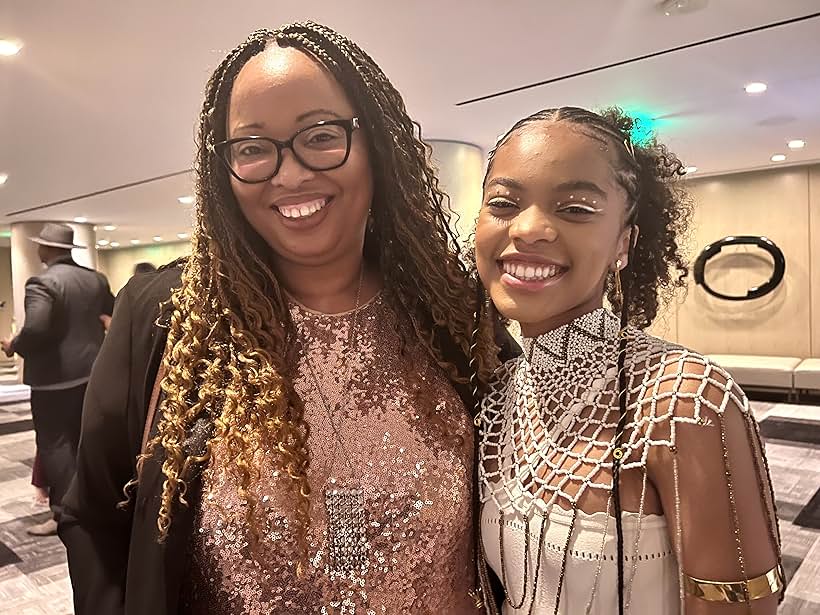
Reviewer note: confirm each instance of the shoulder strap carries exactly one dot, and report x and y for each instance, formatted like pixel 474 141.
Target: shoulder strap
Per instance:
pixel 154 402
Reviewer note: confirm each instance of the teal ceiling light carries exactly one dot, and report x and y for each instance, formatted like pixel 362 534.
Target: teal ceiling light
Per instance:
pixel 645 127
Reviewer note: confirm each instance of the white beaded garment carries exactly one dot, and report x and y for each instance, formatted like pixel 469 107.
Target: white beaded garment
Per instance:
pixel 546 460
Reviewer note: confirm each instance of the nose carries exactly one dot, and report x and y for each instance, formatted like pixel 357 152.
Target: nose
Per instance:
pixel 533 225
pixel 292 173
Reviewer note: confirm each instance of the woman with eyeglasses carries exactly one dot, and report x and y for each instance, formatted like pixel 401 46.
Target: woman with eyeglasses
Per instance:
pixel 620 473
pixel 312 447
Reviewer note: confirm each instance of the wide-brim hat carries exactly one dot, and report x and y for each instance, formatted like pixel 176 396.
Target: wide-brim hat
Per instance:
pixel 56 236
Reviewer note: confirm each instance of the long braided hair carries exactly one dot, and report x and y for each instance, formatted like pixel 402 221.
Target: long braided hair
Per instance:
pixel 660 210
pixel 229 352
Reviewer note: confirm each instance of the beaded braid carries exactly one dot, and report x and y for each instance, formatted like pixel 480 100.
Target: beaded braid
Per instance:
pixel 623 394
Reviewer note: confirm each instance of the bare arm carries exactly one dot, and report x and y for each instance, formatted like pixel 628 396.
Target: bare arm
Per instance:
pixel 727 527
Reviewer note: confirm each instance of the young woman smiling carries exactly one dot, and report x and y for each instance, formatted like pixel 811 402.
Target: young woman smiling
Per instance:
pixel 619 472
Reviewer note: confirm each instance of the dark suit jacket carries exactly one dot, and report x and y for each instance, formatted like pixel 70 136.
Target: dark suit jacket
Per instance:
pixel 116 564
pixel 62 332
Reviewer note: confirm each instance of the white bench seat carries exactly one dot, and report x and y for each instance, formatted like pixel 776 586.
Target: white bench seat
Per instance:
pixel 10 393
pixel 760 371
pixel 807 375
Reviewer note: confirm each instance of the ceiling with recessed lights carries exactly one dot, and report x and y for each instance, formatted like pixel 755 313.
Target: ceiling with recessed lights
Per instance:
pixel 99 106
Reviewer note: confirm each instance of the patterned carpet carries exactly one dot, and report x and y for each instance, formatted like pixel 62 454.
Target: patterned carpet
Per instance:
pixel 34 576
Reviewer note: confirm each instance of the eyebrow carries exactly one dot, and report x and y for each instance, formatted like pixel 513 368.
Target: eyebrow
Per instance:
pixel 582 185
pixel 300 118
pixel 309 114
pixel 254 125
pixel 507 182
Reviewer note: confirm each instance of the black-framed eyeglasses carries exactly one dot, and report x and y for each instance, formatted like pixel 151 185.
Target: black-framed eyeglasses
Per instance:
pixel 320 147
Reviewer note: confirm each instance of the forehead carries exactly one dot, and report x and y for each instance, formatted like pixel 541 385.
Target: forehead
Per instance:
pixel 551 153
pixel 277 85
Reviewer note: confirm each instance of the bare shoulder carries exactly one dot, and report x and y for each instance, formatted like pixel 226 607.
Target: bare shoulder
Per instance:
pixel 687 385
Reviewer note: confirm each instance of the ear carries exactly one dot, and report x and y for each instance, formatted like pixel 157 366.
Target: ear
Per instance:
pixel 622 253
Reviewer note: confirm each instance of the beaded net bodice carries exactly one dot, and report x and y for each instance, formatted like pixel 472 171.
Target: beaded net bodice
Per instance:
pixel 549 419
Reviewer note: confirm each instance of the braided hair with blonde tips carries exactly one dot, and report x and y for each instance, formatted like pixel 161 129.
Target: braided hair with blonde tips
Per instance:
pixel 231 338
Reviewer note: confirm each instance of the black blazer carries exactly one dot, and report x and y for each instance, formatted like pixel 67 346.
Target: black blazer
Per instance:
pixel 116 564
pixel 62 333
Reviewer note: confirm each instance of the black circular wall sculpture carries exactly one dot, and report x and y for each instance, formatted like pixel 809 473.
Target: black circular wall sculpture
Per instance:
pixel 764 243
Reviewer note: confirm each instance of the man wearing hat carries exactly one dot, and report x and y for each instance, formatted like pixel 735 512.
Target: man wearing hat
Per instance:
pixel 59 341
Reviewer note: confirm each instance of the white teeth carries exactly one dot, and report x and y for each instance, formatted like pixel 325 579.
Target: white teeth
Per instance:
pixel 302 210
pixel 530 272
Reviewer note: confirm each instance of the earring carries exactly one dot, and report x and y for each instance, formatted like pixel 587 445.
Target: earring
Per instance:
pixel 370 222
pixel 619 295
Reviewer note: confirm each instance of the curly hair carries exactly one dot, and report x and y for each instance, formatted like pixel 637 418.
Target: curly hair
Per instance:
pixel 657 205
pixel 229 357
pixel 661 210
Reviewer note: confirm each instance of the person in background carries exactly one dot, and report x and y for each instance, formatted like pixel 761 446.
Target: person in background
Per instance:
pixel 59 341
pixel 38 481
pixel 144 268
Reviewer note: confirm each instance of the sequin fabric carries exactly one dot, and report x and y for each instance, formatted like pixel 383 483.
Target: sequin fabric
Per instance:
pixel 402 476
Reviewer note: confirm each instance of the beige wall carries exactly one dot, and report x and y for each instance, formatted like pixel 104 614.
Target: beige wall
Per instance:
pixel 6 293
pixel 814 256
pixel 460 169
pixel 779 204
pixel 118 265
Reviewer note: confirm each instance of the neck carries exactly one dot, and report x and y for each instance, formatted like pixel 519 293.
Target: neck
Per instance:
pixel 330 289
pixel 53 258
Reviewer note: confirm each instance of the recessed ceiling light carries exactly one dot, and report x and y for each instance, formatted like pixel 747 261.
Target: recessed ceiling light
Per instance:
pixel 80 220
pixel 797 144
pixel 756 87
pixel 114 244
pixel 182 235
pixel 186 200
pixel 4 177
pixel 157 238
pixel 110 227
pixel 9 47
pixel 102 242
pixel 135 242
pixel 690 170
pixel 681 7
pixel 778 158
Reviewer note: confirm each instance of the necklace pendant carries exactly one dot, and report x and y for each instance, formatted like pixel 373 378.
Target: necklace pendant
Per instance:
pixel 347 531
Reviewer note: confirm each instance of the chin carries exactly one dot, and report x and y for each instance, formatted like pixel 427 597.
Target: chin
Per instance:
pixel 515 309
pixel 529 310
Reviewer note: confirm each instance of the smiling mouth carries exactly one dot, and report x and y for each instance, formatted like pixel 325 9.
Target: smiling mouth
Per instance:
pixel 305 209
pixel 531 273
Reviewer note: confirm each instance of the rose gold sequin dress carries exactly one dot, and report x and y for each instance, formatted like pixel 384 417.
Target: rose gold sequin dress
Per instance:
pixel 402 542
